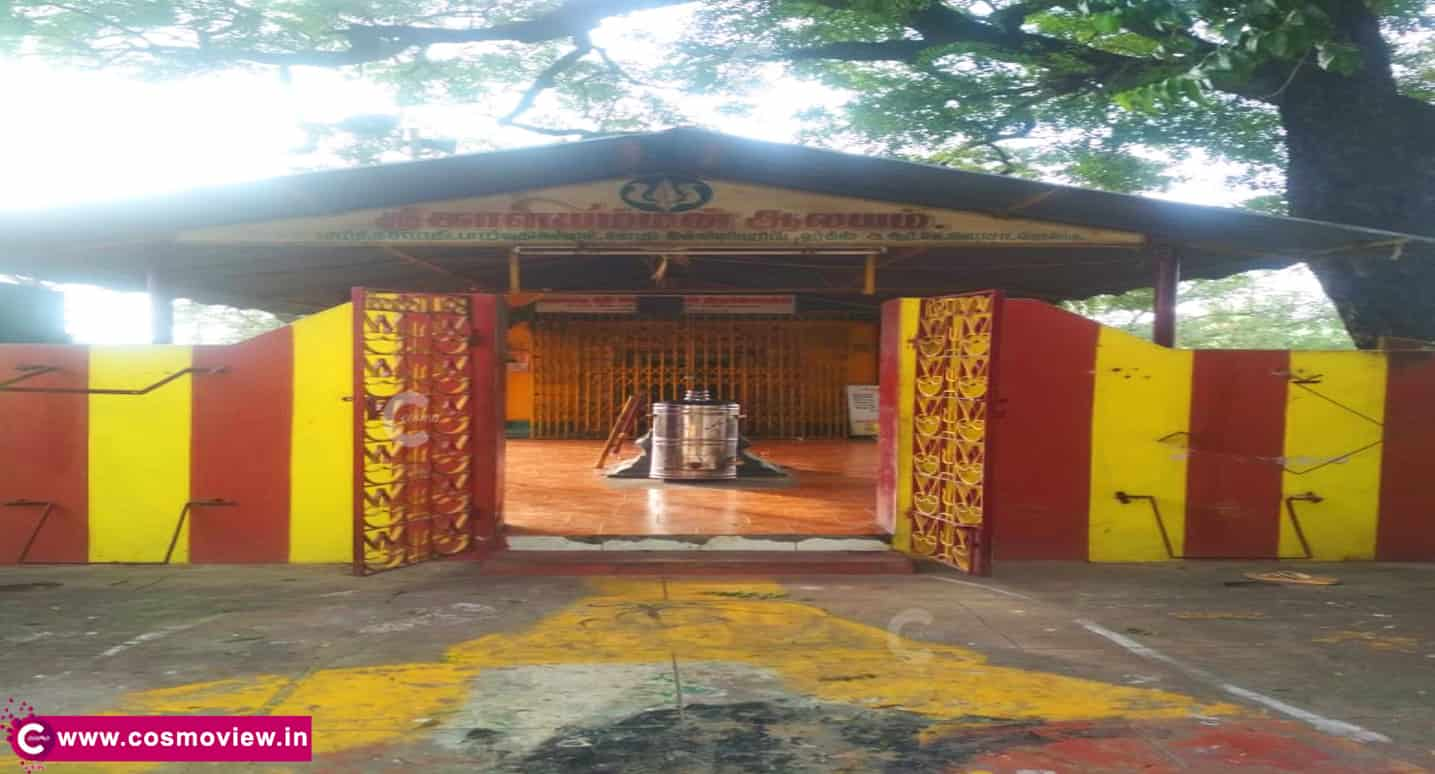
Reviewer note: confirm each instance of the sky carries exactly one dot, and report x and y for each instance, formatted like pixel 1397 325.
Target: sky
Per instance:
pixel 85 136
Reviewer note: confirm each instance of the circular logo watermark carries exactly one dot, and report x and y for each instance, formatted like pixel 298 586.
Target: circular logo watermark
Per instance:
pixel 400 429
pixel 33 739
pixel 902 647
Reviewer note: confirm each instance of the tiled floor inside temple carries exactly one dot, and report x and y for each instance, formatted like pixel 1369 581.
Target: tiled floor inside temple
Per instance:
pixel 552 488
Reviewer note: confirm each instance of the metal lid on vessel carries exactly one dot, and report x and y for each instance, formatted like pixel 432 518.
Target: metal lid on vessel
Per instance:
pixel 696 398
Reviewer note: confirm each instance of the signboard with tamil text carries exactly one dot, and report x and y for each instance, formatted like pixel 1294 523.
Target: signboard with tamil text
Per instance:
pixel 862 410
pixel 662 210
pixel 588 305
pixel 696 305
pixel 774 305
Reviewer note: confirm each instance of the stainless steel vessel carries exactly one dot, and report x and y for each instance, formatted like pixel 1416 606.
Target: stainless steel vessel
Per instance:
pixel 695 438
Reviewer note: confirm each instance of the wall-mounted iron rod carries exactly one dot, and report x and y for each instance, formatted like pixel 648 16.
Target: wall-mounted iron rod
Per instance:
pixel 1126 499
pixel 1309 497
pixel 108 391
pixel 184 513
pixel 30 372
pixel 35 533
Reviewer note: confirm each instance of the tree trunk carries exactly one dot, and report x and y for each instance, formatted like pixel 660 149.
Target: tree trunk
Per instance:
pixel 1360 153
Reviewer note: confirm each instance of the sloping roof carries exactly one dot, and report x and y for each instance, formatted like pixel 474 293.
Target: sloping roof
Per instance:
pixel 114 244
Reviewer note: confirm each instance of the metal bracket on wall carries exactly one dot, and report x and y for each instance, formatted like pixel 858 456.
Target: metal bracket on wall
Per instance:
pixel 1310 497
pixel 184 513
pixel 1126 499
pixel 35 533
pixel 29 372
pixel 1170 438
pixel 1304 381
pixel 1182 439
pixel 38 370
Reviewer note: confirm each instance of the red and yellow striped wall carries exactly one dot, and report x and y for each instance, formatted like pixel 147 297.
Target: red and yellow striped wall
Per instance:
pixel 1221 440
pixel 273 434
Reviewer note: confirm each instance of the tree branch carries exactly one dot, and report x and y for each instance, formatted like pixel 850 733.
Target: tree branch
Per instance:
pixel 998 39
pixel 377 42
pixel 549 77
pixel 861 51
pixel 1011 17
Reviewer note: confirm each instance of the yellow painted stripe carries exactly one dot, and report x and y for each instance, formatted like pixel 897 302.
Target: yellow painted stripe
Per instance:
pixel 906 410
pixel 139 454
pixel 1143 392
pixel 1343 525
pixel 321 489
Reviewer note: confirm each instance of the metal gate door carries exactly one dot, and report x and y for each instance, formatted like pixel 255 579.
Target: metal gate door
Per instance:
pixel 951 463
pixel 413 428
pixel 789 375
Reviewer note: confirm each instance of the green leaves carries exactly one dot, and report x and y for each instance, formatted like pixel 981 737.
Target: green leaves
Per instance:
pixel 1106 23
pixel 1178 92
pixel 1162 23
pixel 1283 30
pixel 1256 310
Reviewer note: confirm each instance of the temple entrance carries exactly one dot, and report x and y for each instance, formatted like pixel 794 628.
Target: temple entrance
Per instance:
pixel 429 454
pixel 788 362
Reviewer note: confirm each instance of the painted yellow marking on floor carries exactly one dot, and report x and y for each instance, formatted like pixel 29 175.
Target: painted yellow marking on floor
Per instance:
pixel 638 621
pixel 1372 640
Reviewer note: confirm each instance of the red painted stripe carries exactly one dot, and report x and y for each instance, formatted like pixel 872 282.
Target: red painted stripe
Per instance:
pixel 240 450
pixel 1041 431
pixel 1233 476
pixel 44 455
pixel 1406 531
pixel 888 379
pixel 489 316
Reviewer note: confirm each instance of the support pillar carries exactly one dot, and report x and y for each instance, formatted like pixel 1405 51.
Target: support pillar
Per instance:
pixel 161 310
pixel 489 361
pixel 1168 275
pixel 515 281
pixel 869 276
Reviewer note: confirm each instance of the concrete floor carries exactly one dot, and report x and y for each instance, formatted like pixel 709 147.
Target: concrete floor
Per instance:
pixel 1049 667
pixel 552 489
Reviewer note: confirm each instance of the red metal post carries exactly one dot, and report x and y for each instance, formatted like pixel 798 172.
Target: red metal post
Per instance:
pixel 982 557
pixel 490 375
pixel 1168 275
pixel 359 403
pixel 888 399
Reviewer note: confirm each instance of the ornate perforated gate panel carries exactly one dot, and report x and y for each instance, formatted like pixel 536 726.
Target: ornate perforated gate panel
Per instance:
pixel 789 375
pixel 413 421
pixel 951 463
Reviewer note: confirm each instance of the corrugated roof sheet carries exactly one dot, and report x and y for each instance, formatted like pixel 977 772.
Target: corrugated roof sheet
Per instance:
pixel 115 243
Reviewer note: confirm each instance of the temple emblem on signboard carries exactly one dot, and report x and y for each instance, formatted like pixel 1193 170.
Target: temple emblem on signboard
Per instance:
pixel 666 193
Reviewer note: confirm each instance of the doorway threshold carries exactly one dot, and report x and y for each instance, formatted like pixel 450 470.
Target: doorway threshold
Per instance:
pixel 696 563
pixel 700 543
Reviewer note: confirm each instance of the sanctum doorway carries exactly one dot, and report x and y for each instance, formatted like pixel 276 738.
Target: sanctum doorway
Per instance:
pixel 436 478
pixel 787 360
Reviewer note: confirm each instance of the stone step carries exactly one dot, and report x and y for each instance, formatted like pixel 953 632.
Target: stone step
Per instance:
pixel 747 563
pixel 749 543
